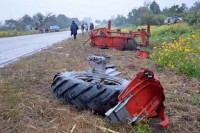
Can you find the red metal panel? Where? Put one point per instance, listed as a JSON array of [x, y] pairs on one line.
[[148, 97]]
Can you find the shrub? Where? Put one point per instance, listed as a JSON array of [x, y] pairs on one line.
[[193, 17], [181, 54]]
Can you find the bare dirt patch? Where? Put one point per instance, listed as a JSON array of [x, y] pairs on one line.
[[26, 104]]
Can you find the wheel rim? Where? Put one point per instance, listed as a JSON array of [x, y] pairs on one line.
[[106, 81]]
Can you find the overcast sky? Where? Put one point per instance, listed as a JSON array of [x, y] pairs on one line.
[[101, 9]]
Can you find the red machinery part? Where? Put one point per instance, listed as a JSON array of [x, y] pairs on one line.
[[107, 38], [104, 38], [148, 29], [143, 35], [109, 25], [143, 54], [141, 99]]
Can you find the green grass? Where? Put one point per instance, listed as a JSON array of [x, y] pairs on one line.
[[176, 47], [170, 32], [11, 33], [195, 100], [143, 128]]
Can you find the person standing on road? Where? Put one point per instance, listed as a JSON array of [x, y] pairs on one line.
[[91, 26], [82, 28], [74, 28], [86, 28]]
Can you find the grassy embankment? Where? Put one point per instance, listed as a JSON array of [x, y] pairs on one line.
[[11, 33], [176, 47]]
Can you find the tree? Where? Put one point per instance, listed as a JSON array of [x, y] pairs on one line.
[[97, 21], [131, 16], [39, 19], [134, 17], [120, 20], [155, 8], [194, 15], [11, 24], [76, 20], [182, 8], [87, 19], [104, 22], [63, 21], [52, 20], [196, 6], [26, 21], [154, 19], [147, 3], [175, 10]]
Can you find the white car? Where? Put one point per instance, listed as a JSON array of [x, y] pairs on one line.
[[54, 28]]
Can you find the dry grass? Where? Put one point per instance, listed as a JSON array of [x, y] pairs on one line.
[[26, 104]]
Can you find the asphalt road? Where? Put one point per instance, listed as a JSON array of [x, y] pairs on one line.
[[12, 48]]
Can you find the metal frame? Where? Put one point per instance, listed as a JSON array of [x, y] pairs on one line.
[[107, 38]]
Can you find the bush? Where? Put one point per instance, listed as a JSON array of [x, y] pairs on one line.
[[168, 32], [153, 19], [193, 17]]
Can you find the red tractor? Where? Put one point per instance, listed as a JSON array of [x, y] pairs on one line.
[[107, 38]]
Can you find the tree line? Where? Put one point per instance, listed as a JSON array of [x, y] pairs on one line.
[[148, 13], [28, 23], [151, 13]]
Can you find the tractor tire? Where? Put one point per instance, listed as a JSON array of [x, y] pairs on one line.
[[76, 88]]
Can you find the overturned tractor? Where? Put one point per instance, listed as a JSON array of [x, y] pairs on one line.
[[107, 38], [99, 89]]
